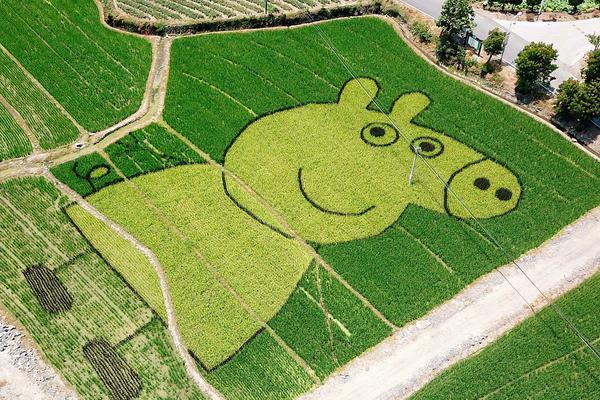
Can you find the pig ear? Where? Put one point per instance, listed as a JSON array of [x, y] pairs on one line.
[[409, 105], [358, 93]]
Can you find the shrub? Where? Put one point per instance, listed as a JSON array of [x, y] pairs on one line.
[[577, 101], [592, 71], [534, 65], [421, 31], [494, 43]]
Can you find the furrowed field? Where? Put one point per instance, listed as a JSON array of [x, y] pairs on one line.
[[540, 359], [205, 9], [96, 74], [274, 193]]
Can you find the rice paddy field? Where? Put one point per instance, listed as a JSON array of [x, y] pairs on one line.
[[275, 192]]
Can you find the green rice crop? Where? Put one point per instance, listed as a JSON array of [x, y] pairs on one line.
[[97, 74], [539, 359], [46, 121], [13, 140]]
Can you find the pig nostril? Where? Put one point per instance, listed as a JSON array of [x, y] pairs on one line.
[[503, 194], [482, 183]]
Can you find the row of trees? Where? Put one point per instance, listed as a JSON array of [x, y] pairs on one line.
[[534, 63], [576, 100]]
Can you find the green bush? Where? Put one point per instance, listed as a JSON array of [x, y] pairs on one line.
[[534, 65], [421, 31]]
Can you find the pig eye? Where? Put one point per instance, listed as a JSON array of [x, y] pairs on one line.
[[428, 146], [379, 134]]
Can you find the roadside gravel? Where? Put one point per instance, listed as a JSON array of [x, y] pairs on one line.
[[23, 374]]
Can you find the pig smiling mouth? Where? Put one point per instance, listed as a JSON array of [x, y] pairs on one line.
[[323, 209]]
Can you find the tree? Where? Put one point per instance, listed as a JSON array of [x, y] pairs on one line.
[[577, 101], [564, 97], [592, 71], [594, 40], [456, 16], [534, 65], [494, 43], [575, 4], [449, 52]]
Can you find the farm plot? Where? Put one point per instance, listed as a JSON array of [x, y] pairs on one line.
[[221, 9], [87, 321], [49, 125], [539, 359], [13, 140], [98, 75], [278, 109]]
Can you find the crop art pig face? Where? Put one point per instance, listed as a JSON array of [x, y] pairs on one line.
[[339, 171]]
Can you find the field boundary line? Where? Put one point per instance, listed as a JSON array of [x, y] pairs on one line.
[[425, 247], [189, 363], [303, 67], [253, 72], [477, 316], [42, 89], [66, 17], [336, 321], [213, 271], [311, 251], [33, 140], [222, 92]]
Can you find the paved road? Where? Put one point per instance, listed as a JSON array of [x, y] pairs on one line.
[[567, 37]]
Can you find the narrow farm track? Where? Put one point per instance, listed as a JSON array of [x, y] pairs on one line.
[[189, 363], [478, 315]]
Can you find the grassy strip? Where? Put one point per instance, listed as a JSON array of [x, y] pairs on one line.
[[539, 359], [49, 125], [13, 140], [98, 75]]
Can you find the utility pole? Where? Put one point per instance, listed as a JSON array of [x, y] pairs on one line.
[[414, 164], [266, 7], [508, 34]]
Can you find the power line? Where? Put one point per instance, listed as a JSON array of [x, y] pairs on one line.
[[498, 245]]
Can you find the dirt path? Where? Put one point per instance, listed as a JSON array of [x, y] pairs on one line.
[[190, 366], [474, 318]]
